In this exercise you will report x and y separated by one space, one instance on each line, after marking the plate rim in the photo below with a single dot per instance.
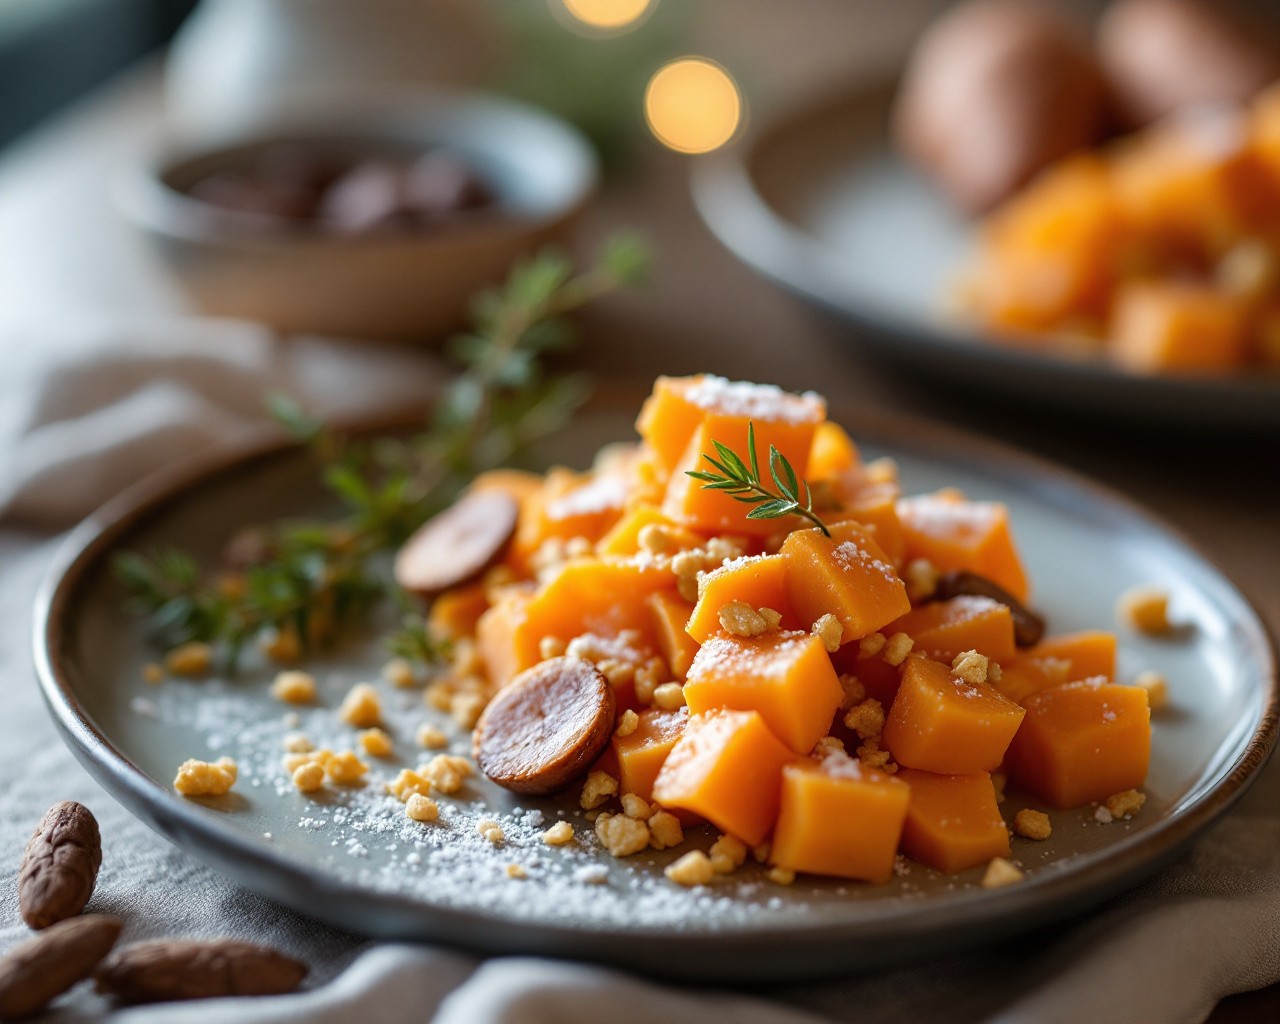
724 192
1044 898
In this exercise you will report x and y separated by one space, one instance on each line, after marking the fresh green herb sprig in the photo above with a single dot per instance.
742 483
306 578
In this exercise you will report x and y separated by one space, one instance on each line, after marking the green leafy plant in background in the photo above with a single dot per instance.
306 578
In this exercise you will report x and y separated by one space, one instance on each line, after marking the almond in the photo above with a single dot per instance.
60 865
37 971
162 970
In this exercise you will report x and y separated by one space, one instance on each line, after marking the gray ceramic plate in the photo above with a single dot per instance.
355 860
818 201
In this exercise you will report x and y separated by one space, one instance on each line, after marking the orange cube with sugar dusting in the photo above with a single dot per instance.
786 676
1082 742
943 629
942 724
953 533
837 817
847 575
727 768
759 580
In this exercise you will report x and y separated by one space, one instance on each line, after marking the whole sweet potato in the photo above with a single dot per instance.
996 90
1161 56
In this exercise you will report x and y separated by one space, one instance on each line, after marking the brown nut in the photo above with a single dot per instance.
459 544
1028 627
1163 56
168 969
60 865
546 727
36 972
994 91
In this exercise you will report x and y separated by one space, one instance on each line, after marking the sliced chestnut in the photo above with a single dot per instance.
1028 627
546 727
459 544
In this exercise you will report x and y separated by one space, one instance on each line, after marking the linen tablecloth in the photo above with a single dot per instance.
86 411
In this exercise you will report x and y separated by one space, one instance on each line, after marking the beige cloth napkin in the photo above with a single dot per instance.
89 408
90 405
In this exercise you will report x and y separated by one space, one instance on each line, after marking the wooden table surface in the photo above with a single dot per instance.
63 252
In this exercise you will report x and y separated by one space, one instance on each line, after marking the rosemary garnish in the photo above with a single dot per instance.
302 579
743 483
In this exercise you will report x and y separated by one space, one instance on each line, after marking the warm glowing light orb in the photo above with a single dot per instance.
606 14
693 105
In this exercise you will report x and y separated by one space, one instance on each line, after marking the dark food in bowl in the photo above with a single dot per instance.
346 191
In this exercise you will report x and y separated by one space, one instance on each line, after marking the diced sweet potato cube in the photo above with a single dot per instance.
689 502
943 629
833 452
1082 742
838 818
786 676
591 595
760 580
670 614
877 510
953 822
942 724
1022 675
573 506
678 406
623 537
1092 652
668 419
1046 254
956 534
640 756
1196 179
847 575
880 679
497 633
455 612
727 768
1179 327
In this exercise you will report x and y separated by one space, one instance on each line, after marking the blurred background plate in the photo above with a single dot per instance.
817 201
353 859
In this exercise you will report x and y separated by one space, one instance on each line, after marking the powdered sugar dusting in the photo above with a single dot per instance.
765 403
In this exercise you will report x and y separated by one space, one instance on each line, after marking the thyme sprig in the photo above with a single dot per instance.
304 579
742 482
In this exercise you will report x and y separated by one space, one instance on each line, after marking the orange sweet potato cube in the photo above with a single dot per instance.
497 633
679 406
942 724
455 612
640 756
1179 327
1091 652
846 575
1022 675
1046 254
838 818
573 506
877 510
688 501
943 629
786 676
954 533
953 822
760 580
727 768
623 537
591 595
833 453
1082 742
670 614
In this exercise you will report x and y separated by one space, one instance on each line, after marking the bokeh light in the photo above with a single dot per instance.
693 105
607 15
